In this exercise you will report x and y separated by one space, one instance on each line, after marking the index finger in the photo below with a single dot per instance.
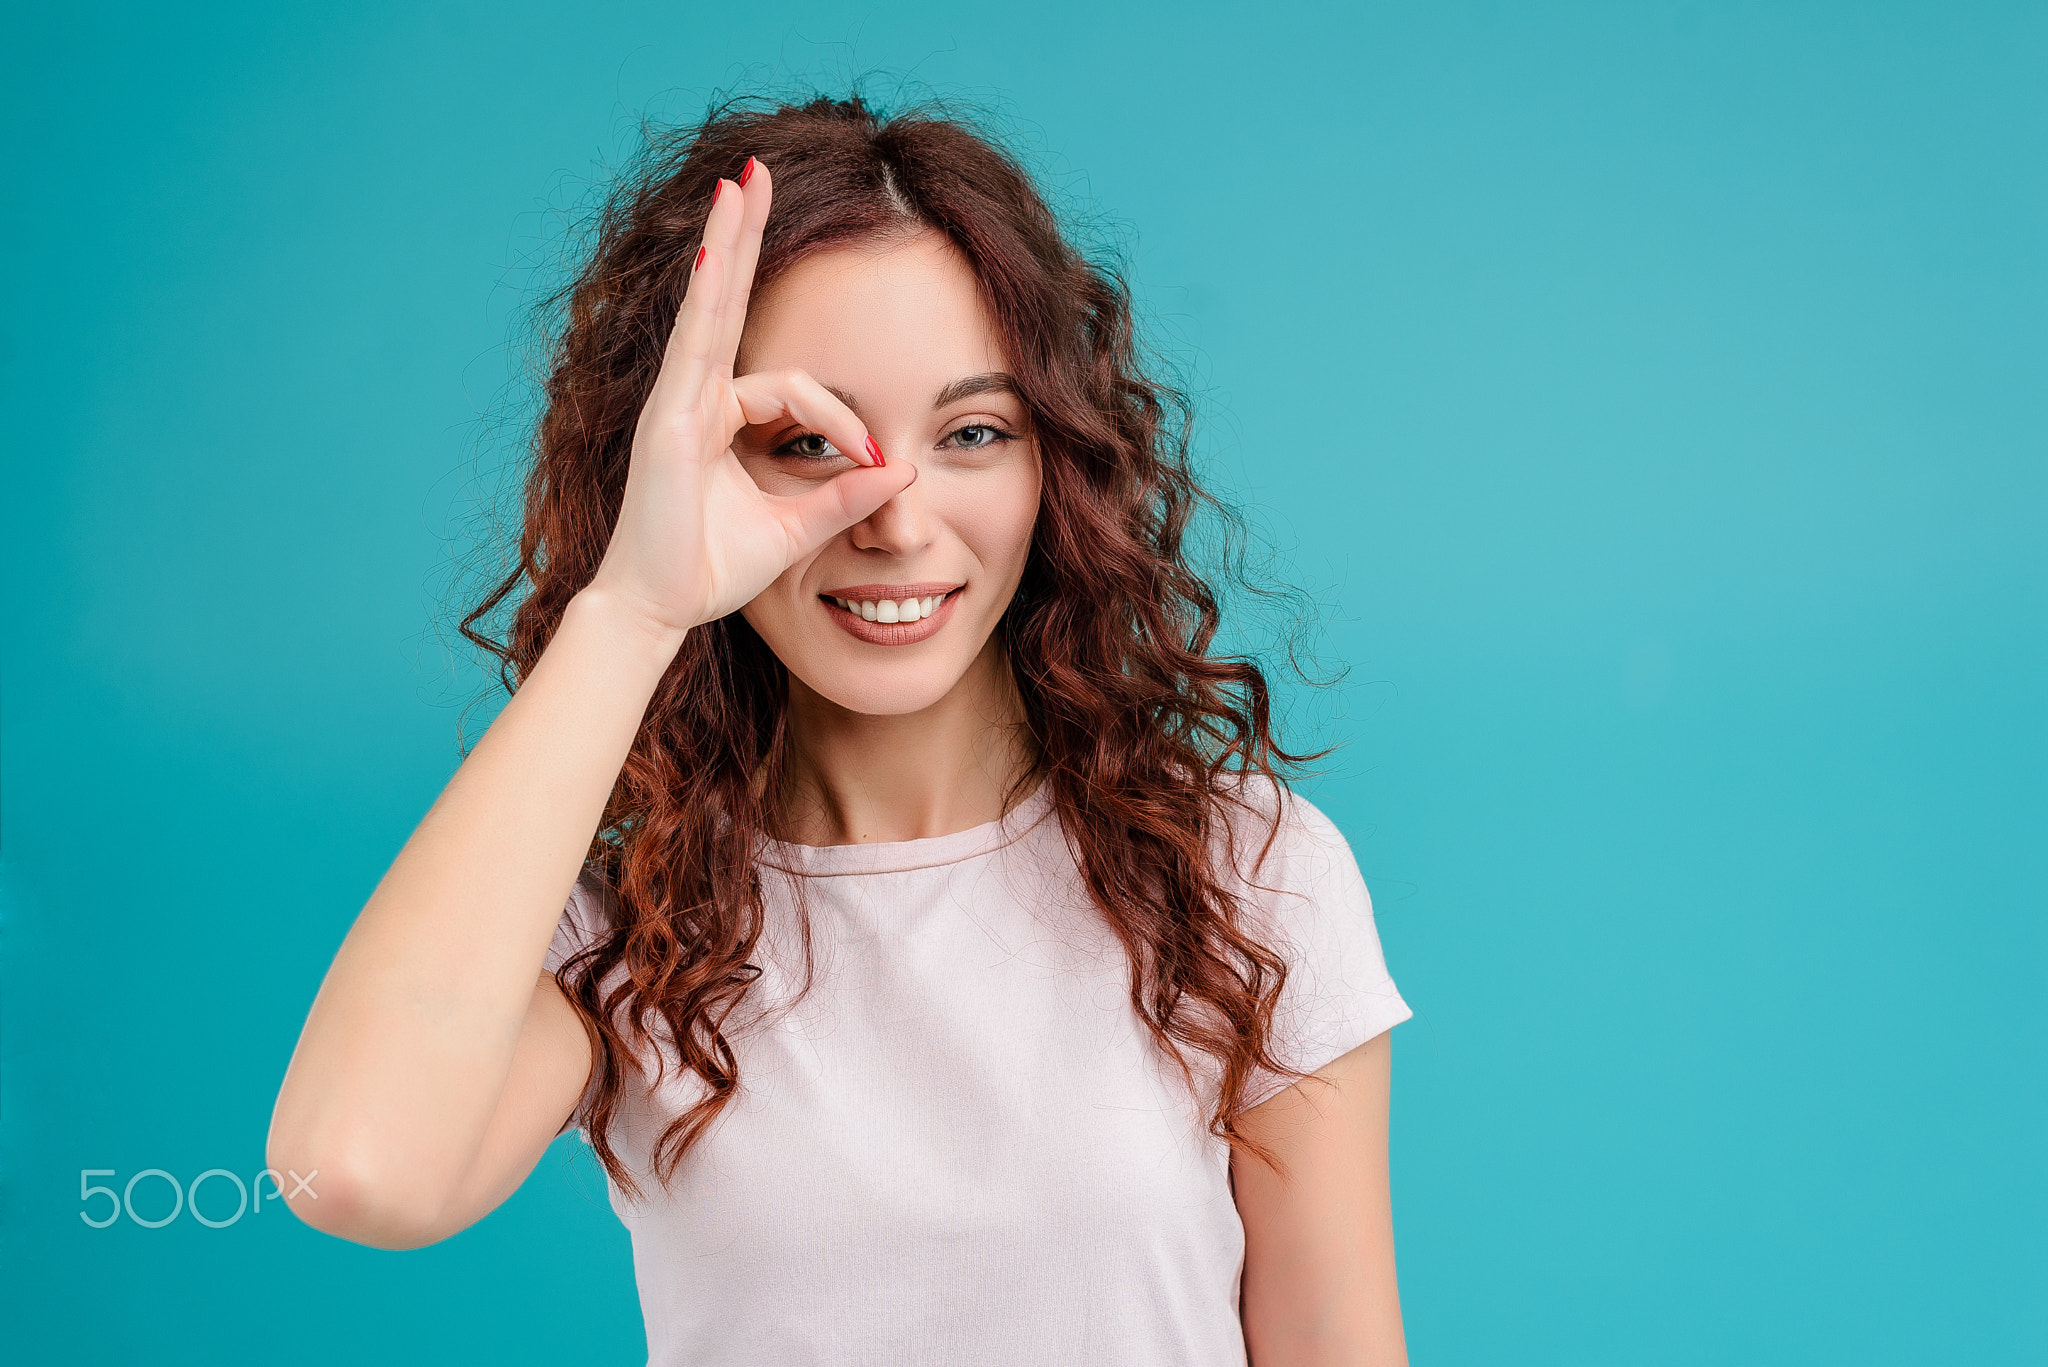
757 190
692 348
767 395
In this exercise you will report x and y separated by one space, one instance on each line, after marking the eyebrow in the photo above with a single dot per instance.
990 382
993 382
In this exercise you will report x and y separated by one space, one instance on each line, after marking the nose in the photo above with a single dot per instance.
900 527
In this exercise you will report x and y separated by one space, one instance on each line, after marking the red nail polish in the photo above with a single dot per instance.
876 452
717 189
700 260
747 171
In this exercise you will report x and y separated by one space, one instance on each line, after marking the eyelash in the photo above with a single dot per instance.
999 435
788 448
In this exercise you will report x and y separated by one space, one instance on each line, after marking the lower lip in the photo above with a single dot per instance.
892 633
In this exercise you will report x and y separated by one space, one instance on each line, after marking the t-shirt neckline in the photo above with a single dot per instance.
901 856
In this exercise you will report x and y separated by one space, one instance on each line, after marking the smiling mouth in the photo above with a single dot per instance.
892 614
909 608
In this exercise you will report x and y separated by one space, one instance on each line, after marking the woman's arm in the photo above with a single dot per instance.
435 1040
439 1060
1319 1288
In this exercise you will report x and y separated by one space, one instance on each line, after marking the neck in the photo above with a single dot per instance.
852 778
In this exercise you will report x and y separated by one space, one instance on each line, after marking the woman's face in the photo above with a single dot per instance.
886 617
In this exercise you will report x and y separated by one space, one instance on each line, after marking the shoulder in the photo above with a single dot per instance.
1274 840
1301 894
1298 887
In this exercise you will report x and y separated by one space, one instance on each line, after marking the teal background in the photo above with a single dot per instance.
1653 394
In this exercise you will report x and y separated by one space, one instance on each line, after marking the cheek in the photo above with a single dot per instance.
996 518
775 611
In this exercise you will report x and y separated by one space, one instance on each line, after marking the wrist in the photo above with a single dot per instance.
624 626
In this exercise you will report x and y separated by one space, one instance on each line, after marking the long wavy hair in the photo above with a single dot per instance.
1141 734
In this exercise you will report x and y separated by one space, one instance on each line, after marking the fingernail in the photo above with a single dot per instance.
876 452
700 260
717 189
747 171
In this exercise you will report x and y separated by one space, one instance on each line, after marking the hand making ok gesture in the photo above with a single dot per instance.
696 537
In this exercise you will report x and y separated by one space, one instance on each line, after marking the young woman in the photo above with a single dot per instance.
947 976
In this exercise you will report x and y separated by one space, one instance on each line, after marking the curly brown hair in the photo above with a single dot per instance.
1141 734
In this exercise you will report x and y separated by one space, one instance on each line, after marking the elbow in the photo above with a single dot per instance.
355 1191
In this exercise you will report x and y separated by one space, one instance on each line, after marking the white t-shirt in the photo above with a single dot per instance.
961 1146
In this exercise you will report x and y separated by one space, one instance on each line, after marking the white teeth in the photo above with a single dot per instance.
893 610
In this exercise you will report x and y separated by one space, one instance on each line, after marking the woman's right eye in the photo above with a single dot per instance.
809 446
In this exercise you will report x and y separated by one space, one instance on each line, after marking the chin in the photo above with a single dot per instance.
890 697
877 668
854 679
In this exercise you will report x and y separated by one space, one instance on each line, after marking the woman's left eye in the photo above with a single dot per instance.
810 446
977 435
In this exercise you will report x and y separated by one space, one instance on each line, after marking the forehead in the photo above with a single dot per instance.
875 316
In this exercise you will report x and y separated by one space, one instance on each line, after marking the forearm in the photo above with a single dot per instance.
406 1051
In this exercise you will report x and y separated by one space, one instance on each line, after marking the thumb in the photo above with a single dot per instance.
815 517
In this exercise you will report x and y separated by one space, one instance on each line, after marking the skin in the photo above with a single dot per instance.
857 709
439 1060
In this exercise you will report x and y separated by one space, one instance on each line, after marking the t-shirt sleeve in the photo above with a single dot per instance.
1313 904
582 922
